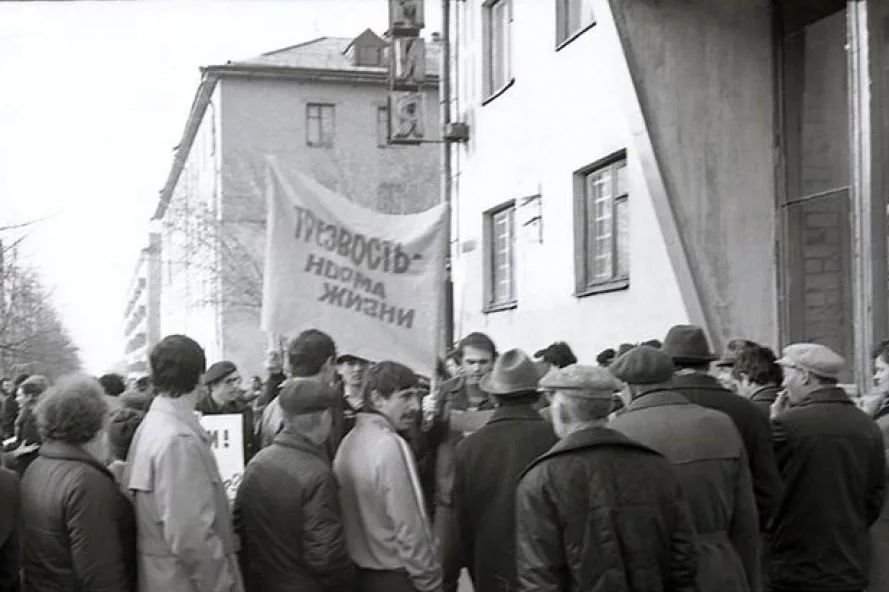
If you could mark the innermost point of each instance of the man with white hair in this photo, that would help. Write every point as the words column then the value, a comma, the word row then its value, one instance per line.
column 830, row 455
column 599, row 511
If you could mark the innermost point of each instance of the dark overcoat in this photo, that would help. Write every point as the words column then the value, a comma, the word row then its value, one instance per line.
column 753, row 425
column 879, row 570
column 488, row 464
column 9, row 540
column 78, row 529
column 830, row 454
column 602, row 512
column 288, row 519
column 708, row 455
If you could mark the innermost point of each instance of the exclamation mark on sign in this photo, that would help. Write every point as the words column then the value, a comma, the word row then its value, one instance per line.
column 225, row 438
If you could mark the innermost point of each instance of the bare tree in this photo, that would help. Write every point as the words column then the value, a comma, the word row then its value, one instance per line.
column 32, row 337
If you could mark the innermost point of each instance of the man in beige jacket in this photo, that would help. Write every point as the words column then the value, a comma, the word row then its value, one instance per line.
column 185, row 541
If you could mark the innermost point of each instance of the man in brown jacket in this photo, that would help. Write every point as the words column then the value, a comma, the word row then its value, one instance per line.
column 708, row 455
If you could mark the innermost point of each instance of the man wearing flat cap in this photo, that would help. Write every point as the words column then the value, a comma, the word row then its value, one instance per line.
column 689, row 349
column 488, row 463
column 830, row 455
column 708, row 455
column 287, row 511
column 222, row 396
column 599, row 511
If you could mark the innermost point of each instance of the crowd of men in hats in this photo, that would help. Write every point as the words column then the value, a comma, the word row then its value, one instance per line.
column 663, row 467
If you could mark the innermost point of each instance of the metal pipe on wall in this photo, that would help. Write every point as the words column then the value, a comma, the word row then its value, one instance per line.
column 445, row 106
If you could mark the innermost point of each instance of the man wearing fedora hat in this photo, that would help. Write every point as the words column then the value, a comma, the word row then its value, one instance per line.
column 599, row 511
column 687, row 345
column 830, row 454
column 487, row 465
column 707, row 452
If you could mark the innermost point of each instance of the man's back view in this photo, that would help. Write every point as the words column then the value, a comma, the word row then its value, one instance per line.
column 599, row 511
column 708, row 455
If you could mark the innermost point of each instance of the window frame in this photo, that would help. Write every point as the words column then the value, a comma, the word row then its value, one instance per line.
column 382, row 126
column 565, row 37
column 490, row 90
column 321, row 143
column 584, row 284
column 489, row 267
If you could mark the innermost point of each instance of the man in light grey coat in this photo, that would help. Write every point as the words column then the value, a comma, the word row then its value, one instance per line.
column 186, row 541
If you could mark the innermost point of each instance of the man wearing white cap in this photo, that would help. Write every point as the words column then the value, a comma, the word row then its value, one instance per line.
column 599, row 511
column 830, row 455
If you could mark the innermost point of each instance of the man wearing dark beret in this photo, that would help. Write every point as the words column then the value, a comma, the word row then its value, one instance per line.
column 222, row 396
column 708, row 455
column 286, row 511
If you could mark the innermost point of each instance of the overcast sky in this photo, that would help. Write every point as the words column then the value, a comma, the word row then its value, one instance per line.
column 93, row 98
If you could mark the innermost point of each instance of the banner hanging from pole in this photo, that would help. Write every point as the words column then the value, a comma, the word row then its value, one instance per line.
column 372, row 281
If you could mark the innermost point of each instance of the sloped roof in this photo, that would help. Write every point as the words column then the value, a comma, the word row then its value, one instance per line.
column 329, row 53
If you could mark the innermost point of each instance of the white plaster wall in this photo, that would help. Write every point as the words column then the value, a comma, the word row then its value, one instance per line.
column 188, row 295
column 562, row 113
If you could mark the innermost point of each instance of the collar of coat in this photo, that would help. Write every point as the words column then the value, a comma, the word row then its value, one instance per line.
column 656, row 398
column 515, row 413
column 182, row 409
column 58, row 450
column 765, row 393
column 296, row 441
column 828, row 394
column 697, row 380
column 586, row 439
column 207, row 404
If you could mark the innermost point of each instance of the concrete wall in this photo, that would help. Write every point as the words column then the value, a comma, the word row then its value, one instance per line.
column 268, row 116
column 703, row 75
column 562, row 113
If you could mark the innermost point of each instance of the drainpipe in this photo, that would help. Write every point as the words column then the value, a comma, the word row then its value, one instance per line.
column 445, row 106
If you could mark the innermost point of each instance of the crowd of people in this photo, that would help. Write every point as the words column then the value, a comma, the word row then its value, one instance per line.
column 661, row 467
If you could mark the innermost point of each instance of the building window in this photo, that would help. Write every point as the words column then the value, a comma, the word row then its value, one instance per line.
column 369, row 56
column 382, row 127
column 319, row 125
column 602, row 227
column 572, row 18
column 500, row 257
column 497, row 21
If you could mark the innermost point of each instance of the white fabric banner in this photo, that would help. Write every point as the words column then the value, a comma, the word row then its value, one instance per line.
column 373, row 281
column 227, row 444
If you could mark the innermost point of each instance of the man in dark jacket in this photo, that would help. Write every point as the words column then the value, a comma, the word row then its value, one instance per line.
column 488, row 464
column 9, row 513
column 688, row 347
column 223, row 397
column 708, row 455
column 831, row 458
column 454, row 399
column 287, row 511
column 599, row 511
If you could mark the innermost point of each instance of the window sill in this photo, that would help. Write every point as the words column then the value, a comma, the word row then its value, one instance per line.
column 500, row 306
column 575, row 35
column 498, row 92
column 609, row 286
